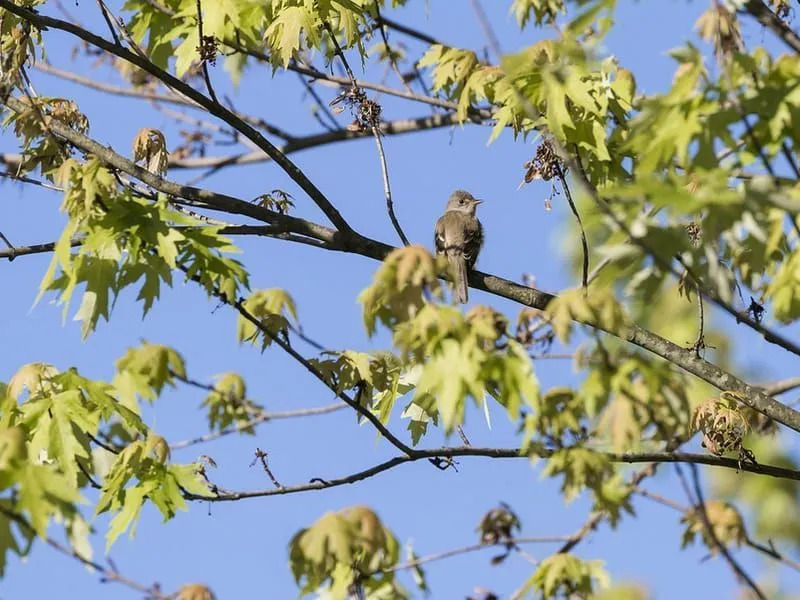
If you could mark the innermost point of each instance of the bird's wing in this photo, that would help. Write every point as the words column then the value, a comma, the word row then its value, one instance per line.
column 438, row 237
column 473, row 240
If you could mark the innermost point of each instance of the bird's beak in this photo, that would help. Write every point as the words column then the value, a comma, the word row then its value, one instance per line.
column 476, row 201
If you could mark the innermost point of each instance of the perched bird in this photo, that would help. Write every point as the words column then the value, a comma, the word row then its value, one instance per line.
column 459, row 236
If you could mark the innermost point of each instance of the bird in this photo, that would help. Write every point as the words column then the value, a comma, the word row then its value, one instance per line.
column 459, row 236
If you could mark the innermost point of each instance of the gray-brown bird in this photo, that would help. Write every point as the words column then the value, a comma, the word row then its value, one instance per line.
column 459, row 236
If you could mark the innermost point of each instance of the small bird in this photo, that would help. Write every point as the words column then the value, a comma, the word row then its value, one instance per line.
column 459, row 236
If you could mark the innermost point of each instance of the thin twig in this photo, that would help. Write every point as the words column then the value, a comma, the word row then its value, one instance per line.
column 781, row 387
column 487, row 28
column 377, row 135
column 261, row 457
column 203, row 59
column 261, row 417
column 389, row 55
column 700, row 343
column 474, row 548
column 766, row 550
column 584, row 243
column 111, row 27
column 358, row 244
column 764, row 160
column 419, row 35
column 214, row 108
column 709, row 527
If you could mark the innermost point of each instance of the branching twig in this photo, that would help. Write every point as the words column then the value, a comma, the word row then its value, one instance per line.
column 108, row 21
column 333, row 125
column 389, row 55
column 261, row 457
column 12, row 251
column 288, row 227
column 766, row 550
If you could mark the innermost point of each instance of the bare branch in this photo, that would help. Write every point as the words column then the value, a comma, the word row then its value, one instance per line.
column 766, row 550
column 358, row 244
column 474, row 548
column 782, row 386
column 422, row 37
column 261, row 417
column 16, row 251
column 512, row 453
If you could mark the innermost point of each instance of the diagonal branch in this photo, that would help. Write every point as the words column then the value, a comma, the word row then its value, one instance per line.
column 709, row 527
column 261, row 417
column 216, row 109
column 770, row 20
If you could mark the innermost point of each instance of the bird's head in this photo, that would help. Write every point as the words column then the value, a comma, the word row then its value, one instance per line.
column 461, row 201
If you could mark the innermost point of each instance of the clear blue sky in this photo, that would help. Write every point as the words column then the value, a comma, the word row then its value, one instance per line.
column 240, row 549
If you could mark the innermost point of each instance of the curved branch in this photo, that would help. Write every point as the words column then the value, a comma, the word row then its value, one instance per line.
column 500, row 453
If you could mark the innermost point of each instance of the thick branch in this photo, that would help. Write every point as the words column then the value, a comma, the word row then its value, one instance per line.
column 770, row 20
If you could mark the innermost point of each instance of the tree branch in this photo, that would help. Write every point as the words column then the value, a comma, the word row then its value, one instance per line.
column 261, row 417
column 216, row 109
column 373, row 126
column 503, row 453
column 474, row 548
column 770, row 20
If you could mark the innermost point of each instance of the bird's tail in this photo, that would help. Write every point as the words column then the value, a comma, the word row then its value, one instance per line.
column 460, row 265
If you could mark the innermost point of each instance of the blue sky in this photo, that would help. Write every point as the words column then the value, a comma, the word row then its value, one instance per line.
column 240, row 549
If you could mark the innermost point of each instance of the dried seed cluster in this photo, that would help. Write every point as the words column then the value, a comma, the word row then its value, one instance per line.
column 545, row 165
